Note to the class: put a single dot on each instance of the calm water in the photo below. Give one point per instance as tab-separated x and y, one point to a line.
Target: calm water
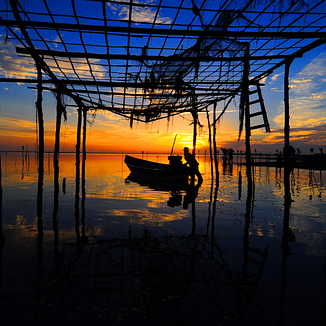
126	253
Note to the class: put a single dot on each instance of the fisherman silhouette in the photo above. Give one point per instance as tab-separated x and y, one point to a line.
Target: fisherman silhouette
193	164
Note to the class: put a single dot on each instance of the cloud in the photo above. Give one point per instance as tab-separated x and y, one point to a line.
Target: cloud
299	81
276	90
275	77
12	65
307	96
141	13
300	137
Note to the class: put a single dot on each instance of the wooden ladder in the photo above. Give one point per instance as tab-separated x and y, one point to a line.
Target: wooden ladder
262	111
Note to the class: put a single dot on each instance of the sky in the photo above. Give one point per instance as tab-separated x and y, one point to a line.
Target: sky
111	133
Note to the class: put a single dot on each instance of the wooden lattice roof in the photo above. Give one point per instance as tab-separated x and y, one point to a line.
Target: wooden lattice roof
149	59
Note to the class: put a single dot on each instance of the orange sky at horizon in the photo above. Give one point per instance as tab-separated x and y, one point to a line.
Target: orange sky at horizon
107	133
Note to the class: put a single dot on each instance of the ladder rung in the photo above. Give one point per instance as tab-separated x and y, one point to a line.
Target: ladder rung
254	102
253	92
258	126
255	114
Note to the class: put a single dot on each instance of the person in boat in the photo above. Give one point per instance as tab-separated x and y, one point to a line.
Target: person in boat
193	164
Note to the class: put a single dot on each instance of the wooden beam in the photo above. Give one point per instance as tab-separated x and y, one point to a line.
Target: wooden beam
164	31
113	84
171	58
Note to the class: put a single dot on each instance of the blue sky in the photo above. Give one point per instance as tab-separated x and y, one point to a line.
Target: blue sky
307	111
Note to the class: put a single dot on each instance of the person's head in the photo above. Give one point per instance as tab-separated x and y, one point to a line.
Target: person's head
186	150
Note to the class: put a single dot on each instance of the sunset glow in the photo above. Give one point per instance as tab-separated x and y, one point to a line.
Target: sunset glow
107	132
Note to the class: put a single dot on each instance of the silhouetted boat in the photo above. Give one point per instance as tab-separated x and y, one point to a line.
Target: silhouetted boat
175	171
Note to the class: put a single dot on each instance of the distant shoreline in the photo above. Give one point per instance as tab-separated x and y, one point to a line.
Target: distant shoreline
70	152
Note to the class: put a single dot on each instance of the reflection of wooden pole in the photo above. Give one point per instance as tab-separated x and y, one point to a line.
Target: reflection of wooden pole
210	141
84	172
288	236
214	142
193	213
246	240
2	237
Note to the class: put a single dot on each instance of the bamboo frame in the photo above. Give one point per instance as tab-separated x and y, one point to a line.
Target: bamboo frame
264	57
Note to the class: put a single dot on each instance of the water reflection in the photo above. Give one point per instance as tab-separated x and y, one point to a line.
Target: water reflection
227	167
114	249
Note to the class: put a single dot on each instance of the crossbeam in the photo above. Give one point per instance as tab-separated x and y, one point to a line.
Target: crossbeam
165	31
150	96
113	84
105	56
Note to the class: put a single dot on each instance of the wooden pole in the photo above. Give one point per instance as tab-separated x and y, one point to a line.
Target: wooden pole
39	111
195	117
214	141
59	112
57	134
245	90
287	169
79	123
84	142
287	105
41	161
194	114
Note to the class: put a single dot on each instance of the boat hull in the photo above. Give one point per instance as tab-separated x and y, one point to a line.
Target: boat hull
164	172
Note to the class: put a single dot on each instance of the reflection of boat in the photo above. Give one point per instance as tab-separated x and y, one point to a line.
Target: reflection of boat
175	171
176	188
159	184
